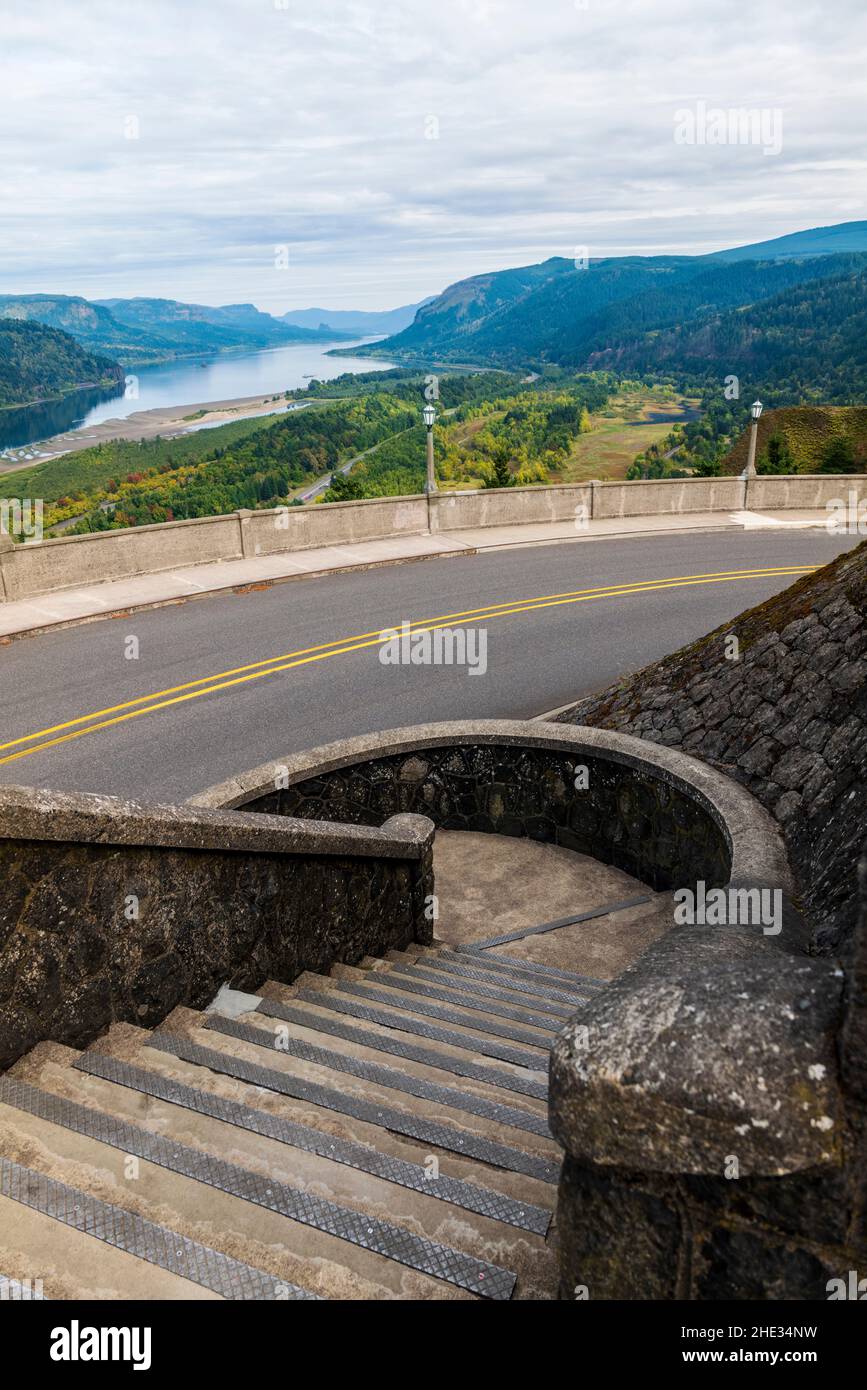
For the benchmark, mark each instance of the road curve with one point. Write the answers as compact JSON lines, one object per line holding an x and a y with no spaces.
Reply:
{"x":227,"y":682}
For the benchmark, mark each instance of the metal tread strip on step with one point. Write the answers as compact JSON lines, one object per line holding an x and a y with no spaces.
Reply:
{"x":468,"y":986}
{"x":345,"y":1223}
{"x":559,"y":922}
{"x":393,"y":1047}
{"x":513,"y":982}
{"x":423,"y":1005}
{"x":470,"y":1196}
{"x":146,"y":1240}
{"x":13,"y":1291}
{"x":435,"y":1133}
{"x":396,"y":978}
{"x":486,"y":1047}
{"x":566,"y":979}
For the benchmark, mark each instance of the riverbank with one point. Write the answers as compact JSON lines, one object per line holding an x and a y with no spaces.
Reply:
{"x":167,"y":421}
{"x":160,"y":400}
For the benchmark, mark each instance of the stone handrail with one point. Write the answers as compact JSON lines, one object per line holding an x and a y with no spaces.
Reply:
{"x":115,"y":910}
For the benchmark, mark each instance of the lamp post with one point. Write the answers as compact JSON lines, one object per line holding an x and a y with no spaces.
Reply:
{"x":755,"y":411}
{"x":429,"y":415}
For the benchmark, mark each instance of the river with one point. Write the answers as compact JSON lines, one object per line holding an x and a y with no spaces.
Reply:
{"x":184,"y":382}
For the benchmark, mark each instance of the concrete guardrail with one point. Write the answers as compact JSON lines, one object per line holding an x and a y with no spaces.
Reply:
{"x":69,"y":562}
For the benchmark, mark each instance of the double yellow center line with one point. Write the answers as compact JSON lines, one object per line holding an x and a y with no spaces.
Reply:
{"x":239,"y":675}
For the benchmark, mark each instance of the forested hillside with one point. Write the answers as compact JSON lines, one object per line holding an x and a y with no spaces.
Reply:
{"x":519,"y":436}
{"x":615,"y":312}
{"x":804,"y":348}
{"x":91,"y":325}
{"x":806,"y":439}
{"x":37,"y":363}
{"x":810,"y":340}
{"x":259,"y":469}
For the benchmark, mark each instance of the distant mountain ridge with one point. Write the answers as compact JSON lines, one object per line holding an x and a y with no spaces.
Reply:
{"x":790,"y":310}
{"x":839,"y":239}
{"x":359,"y":322}
{"x":138,"y":331}
{"x":561,"y":314}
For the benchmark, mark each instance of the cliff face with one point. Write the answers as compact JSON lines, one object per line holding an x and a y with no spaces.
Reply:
{"x":787,"y":717}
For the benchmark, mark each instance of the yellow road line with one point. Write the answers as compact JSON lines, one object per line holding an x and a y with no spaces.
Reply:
{"x":422,"y":624}
{"x":207,"y":685}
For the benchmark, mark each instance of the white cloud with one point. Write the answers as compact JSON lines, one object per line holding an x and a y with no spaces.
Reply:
{"x":306,"y":125}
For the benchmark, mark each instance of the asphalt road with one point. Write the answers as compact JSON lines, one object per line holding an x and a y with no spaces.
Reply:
{"x":59,"y":692}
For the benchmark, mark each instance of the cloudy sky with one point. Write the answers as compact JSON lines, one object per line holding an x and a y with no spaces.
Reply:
{"x":328,"y":152}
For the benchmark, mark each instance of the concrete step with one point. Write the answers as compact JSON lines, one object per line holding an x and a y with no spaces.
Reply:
{"x":473,"y":988}
{"x":541,"y":993}
{"x":205,"y":1099}
{"x":70,"y":1264}
{"x":239,"y":1188}
{"x":352,"y":1104}
{"x":469,"y":1135}
{"x":385,"y":988}
{"x":397,"y":977}
{"x":424,"y":1199}
{"x":517,"y":964}
{"x":415,"y":1015}
{"x":508,"y":970}
{"x":377,"y":1037}
{"x":337,"y":1137}
{"x":117,"y":1201}
{"x":300,"y":1044}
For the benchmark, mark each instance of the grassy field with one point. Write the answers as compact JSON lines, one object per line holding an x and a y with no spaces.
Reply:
{"x":610,"y":447}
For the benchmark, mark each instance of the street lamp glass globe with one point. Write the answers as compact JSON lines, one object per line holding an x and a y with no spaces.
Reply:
{"x":430,"y":415}
{"x":756,"y":409}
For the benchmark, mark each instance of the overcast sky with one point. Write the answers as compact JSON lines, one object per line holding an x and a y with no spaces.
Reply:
{"x":265,"y":124}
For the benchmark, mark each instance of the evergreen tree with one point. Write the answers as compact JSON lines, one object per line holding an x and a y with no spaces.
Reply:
{"x":839,"y":456}
{"x":777,"y":458}
{"x":500,"y":475}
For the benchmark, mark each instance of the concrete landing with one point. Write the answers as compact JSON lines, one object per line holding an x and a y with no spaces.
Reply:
{"x":492,"y":884}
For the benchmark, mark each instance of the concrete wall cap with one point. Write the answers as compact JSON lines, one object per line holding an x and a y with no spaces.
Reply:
{"x":755,"y":842}
{"x":30,"y":813}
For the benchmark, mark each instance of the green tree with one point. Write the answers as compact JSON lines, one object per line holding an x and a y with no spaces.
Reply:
{"x":500,"y":475}
{"x":707,"y":468}
{"x":777,"y":458}
{"x":839,"y":456}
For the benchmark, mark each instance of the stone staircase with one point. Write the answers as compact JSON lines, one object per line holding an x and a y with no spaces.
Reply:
{"x":379,"y":1132}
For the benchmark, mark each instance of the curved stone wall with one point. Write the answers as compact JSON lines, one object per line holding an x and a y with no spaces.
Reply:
{"x":664,"y":817}
{"x":788,"y":720}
